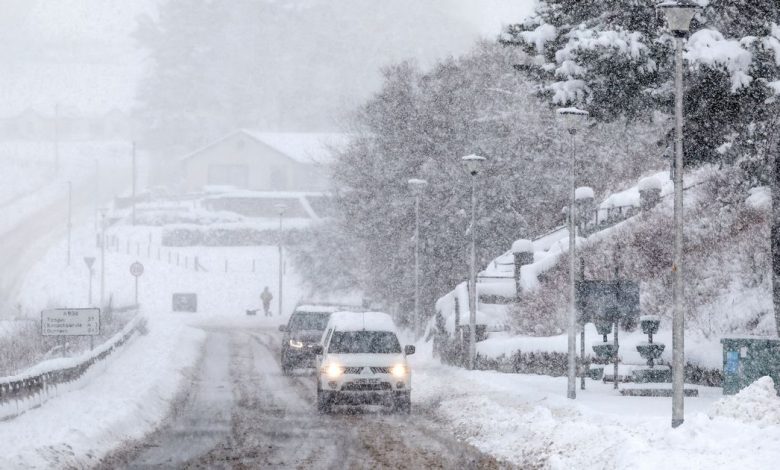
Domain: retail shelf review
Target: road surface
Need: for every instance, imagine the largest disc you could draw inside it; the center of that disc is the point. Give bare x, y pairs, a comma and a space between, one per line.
242, 412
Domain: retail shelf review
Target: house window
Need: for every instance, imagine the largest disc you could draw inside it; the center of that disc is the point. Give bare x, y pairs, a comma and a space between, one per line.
229, 175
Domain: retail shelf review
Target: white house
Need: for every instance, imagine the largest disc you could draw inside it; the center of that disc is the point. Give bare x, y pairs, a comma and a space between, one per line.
262, 161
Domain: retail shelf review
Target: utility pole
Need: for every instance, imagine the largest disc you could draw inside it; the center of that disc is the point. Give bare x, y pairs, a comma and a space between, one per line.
281, 208
103, 259
70, 216
57, 139
134, 182
417, 186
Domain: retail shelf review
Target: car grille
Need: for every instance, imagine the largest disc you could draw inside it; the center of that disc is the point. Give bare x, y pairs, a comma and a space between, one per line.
374, 370
355, 387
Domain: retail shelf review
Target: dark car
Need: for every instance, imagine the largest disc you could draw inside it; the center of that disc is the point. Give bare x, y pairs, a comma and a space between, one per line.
302, 333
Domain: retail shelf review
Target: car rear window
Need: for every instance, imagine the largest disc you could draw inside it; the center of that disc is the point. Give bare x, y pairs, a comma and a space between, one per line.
309, 321
359, 342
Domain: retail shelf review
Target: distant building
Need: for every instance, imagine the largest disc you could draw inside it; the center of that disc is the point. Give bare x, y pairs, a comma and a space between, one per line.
262, 161
66, 125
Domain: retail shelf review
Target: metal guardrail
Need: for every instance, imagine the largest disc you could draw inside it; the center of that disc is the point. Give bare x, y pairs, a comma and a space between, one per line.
26, 386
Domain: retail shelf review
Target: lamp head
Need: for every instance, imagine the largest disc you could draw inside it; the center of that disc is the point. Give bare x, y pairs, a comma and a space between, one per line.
417, 186
473, 163
679, 14
280, 208
572, 119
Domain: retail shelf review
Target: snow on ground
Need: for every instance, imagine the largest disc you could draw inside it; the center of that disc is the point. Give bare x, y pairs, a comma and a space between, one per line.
220, 293
124, 397
129, 394
527, 420
698, 350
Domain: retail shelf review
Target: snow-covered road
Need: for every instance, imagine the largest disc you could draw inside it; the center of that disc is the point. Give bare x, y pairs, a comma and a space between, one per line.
241, 411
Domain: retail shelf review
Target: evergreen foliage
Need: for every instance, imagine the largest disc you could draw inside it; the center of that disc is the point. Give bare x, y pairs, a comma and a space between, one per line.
616, 58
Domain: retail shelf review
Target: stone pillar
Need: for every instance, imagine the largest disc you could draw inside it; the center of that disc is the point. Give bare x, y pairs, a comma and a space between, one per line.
584, 207
523, 251
649, 192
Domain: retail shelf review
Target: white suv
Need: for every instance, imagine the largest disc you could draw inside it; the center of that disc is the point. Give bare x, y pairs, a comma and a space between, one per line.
360, 361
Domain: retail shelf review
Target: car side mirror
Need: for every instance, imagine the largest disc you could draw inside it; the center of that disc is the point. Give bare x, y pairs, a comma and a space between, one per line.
409, 349
317, 349
283, 328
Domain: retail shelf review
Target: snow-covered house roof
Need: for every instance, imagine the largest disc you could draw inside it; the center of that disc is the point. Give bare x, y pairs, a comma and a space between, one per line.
303, 147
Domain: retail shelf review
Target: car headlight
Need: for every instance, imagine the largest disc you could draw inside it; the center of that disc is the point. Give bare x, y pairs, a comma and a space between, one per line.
333, 370
398, 370
294, 343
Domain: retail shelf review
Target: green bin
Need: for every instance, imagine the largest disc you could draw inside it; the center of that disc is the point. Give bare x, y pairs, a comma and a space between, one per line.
746, 359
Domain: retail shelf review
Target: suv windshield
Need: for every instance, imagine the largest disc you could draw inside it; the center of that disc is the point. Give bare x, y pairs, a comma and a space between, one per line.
357, 342
309, 321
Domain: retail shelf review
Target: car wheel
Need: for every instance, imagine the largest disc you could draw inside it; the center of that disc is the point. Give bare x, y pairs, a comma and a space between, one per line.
324, 402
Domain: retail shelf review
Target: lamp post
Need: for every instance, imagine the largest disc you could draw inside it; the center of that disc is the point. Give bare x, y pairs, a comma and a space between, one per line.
417, 186
678, 15
473, 163
280, 209
572, 119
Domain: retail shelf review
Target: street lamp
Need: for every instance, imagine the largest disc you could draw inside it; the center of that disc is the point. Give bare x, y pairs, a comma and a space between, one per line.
572, 120
473, 164
678, 15
417, 186
280, 209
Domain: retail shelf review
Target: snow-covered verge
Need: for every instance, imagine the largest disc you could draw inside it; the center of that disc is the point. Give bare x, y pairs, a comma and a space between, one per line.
124, 398
528, 421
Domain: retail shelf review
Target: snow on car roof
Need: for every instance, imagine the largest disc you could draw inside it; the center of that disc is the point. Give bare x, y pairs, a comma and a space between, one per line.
351, 321
312, 308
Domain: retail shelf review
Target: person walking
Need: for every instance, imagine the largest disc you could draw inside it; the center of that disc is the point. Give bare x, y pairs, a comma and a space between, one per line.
266, 297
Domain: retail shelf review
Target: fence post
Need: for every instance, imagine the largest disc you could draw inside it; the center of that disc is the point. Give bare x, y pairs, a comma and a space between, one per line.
226, 265
253, 265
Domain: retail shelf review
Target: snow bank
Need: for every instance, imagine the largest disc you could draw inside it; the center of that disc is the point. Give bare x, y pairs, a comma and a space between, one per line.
522, 246
758, 404
124, 398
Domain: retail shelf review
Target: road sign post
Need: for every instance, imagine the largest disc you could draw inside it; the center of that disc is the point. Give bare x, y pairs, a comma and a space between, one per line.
89, 261
136, 269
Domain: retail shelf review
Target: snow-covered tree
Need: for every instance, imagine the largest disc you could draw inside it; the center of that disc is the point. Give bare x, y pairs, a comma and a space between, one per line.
615, 58
419, 126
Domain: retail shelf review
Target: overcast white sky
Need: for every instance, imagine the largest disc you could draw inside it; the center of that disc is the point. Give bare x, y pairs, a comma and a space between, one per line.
80, 53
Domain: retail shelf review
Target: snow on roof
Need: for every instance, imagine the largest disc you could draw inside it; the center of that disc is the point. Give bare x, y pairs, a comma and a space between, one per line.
302, 147
352, 321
